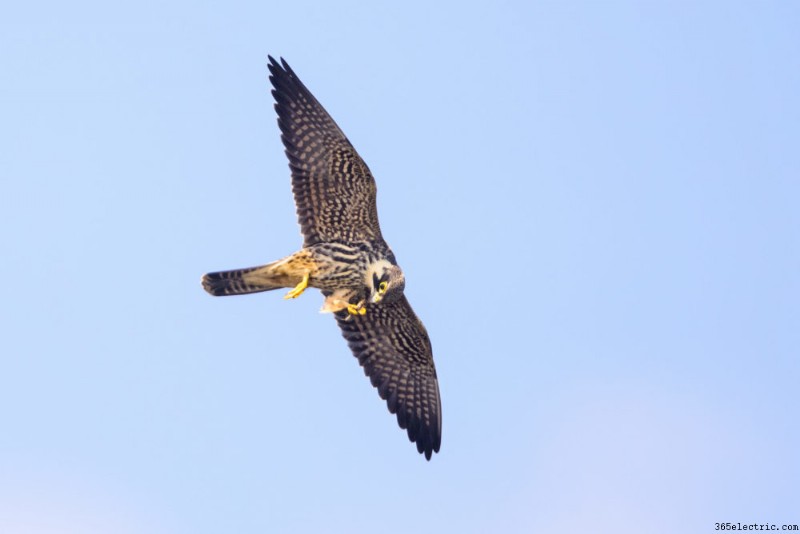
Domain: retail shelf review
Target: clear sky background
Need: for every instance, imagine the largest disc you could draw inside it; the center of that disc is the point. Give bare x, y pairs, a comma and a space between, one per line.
596, 206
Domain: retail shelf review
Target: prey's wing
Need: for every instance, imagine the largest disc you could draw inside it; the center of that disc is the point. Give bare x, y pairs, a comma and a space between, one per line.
392, 346
333, 188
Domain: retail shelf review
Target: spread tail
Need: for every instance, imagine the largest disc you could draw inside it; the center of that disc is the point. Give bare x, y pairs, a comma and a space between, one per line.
242, 281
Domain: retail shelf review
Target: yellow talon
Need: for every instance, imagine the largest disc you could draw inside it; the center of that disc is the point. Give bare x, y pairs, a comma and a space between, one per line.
299, 288
357, 309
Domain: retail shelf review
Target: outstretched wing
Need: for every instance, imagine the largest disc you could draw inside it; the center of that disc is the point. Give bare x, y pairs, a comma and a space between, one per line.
333, 188
392, 346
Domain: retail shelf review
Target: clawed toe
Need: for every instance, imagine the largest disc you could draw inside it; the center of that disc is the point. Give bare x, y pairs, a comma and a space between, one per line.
299, 288
357, 309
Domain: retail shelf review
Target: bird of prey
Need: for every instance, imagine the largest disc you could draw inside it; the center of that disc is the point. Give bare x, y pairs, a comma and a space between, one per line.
345, 256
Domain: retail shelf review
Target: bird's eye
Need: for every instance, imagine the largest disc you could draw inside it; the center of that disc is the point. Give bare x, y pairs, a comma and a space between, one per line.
382, 287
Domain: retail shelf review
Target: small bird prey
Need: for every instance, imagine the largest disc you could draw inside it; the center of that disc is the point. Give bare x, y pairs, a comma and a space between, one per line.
345, 256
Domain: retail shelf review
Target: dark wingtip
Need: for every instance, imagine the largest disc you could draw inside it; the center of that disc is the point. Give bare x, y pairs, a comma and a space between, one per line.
427, 439
277, 68
427, 445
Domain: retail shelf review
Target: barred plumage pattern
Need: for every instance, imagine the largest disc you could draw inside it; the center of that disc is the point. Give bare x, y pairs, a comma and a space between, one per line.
334, 190
234, 282
392, 346
345, 256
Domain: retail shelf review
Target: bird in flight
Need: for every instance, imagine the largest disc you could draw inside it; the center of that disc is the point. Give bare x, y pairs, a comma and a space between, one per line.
345, 256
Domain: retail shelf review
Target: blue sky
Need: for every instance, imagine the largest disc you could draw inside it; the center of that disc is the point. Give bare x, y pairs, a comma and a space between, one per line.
595, 204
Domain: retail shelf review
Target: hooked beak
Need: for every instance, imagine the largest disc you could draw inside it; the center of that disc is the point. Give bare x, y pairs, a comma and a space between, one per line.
377, 298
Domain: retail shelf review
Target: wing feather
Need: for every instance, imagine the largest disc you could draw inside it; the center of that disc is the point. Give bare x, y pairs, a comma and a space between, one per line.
334, 190
394, 349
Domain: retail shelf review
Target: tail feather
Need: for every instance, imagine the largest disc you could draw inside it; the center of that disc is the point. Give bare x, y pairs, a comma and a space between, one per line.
241, 281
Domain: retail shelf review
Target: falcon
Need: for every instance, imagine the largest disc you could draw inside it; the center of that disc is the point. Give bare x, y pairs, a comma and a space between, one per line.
345, 256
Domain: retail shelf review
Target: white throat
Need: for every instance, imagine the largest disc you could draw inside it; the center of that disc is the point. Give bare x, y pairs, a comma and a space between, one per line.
375, 268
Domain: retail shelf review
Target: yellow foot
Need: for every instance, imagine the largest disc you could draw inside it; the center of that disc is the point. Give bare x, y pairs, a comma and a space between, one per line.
299, 288
356, 309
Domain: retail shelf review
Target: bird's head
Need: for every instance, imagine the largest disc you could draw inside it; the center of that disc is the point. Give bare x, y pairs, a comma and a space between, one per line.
388, 282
